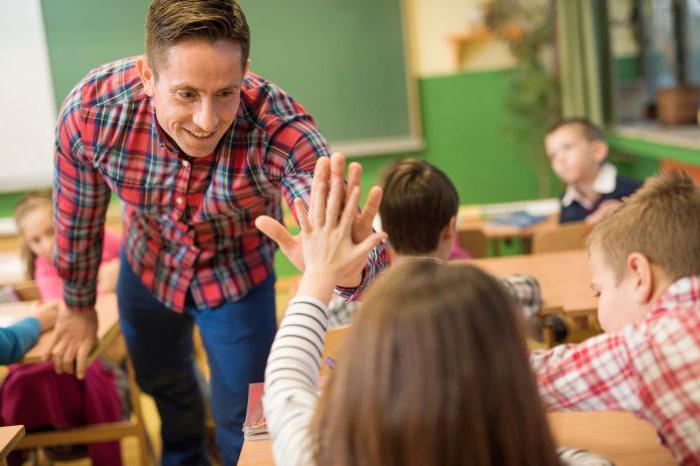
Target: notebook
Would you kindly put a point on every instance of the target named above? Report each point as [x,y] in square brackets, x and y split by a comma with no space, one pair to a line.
[255,426]
[520,219]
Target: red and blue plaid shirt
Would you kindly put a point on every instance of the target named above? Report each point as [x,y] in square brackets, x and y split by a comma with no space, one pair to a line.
[188,221]
[651,369]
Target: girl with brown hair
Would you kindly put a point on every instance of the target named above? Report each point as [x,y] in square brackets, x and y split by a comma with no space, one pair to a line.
[422,380]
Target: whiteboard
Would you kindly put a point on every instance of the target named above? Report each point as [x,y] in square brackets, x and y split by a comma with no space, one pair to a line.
[27,108]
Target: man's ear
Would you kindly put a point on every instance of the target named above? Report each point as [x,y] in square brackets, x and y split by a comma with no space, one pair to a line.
[246,68]
[600,150]
[639,268]
[147,76]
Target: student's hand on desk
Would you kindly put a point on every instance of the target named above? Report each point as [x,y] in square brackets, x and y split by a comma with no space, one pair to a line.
[46,314]
[328,249]
[604,209]
[72,340]
[291,246]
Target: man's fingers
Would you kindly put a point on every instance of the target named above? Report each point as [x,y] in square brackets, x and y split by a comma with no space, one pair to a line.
[321,176]
[275,231]
[354,177]
[350,208]
[364,221]
[81,359]
[68,359]
[302,216]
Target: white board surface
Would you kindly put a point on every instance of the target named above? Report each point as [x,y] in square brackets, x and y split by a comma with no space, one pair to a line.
[27,109]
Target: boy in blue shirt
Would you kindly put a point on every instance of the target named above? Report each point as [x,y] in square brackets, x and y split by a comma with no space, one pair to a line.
[577,151]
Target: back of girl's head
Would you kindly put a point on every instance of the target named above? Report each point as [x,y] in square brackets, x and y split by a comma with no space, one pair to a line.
[25,205]
[433,372]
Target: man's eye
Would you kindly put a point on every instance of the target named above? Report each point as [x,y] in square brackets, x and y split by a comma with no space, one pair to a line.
[185,95]
[226,94]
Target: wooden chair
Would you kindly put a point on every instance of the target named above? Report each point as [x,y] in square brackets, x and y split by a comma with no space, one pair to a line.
[474,242]
[561,238]
[26,290]
[334,341]
[105,432]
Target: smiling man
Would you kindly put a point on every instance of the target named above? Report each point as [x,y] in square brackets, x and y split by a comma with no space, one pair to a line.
[196,147]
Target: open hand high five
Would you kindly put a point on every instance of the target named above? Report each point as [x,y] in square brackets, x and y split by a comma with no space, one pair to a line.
[327,249]
[361,224]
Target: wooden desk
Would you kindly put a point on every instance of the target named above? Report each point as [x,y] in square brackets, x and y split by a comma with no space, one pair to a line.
[621,437]
[564,277]
[9,438]
[108,329]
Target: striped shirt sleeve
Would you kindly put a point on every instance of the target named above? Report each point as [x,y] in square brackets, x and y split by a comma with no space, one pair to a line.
[291,378]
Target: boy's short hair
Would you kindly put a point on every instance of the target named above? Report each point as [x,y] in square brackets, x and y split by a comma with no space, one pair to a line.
[419,201]
[661,221]
[590,131]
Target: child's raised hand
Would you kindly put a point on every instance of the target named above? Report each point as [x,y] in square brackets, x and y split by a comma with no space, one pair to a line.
[326,231]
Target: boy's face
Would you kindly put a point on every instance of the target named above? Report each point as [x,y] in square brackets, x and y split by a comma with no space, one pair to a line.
[573,157]
[618,303]
[196,94]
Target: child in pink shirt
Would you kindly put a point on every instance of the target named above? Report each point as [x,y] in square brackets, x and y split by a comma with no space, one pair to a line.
[35,395]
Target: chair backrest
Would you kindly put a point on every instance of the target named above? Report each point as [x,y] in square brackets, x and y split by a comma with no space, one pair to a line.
[474,241]
[561,238]
[334,341]
[26,290]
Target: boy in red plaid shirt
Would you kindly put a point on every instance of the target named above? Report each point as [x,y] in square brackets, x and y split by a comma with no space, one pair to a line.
[645,261]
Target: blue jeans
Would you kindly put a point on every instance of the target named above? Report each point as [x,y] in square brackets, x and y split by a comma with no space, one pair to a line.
[237,338]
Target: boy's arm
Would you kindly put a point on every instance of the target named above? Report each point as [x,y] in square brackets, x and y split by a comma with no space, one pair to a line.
[526,291]
[595,375]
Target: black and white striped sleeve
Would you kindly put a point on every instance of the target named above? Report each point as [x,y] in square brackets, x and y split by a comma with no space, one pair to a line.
[291,378]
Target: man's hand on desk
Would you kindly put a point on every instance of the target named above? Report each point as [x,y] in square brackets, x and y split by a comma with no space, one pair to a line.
[72,340]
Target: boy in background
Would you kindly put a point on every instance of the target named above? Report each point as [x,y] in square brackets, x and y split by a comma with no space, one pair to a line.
[577,151]
[418,213]
[645,261]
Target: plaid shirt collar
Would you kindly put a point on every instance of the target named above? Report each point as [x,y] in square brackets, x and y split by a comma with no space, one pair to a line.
[682,294]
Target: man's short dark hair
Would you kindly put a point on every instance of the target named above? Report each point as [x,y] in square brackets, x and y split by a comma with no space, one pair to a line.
[419,201]
[590,131]
[169,22]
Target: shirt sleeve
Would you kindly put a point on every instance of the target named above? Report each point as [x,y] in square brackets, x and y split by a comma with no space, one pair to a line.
[526,291]
[300,145]
[81,198]
[18,339]
[291,379]
[595,375]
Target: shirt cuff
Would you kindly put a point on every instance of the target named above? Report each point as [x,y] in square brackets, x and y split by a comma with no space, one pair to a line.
[79,297]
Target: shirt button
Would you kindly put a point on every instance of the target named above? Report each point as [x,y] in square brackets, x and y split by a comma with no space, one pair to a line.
[185,163]
[178,200]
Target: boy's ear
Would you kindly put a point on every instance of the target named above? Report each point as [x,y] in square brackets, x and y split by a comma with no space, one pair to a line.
[450,230]
[600,150]
[147,75]
[639,268]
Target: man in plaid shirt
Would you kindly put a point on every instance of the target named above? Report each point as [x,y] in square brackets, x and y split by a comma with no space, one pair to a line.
[196,147]
[645,260]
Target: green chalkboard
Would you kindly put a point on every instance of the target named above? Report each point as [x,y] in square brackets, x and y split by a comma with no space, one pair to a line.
[344,61]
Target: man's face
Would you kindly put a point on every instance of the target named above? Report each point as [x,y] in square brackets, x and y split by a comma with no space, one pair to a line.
[573,157]
[196,94]
[617,305]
